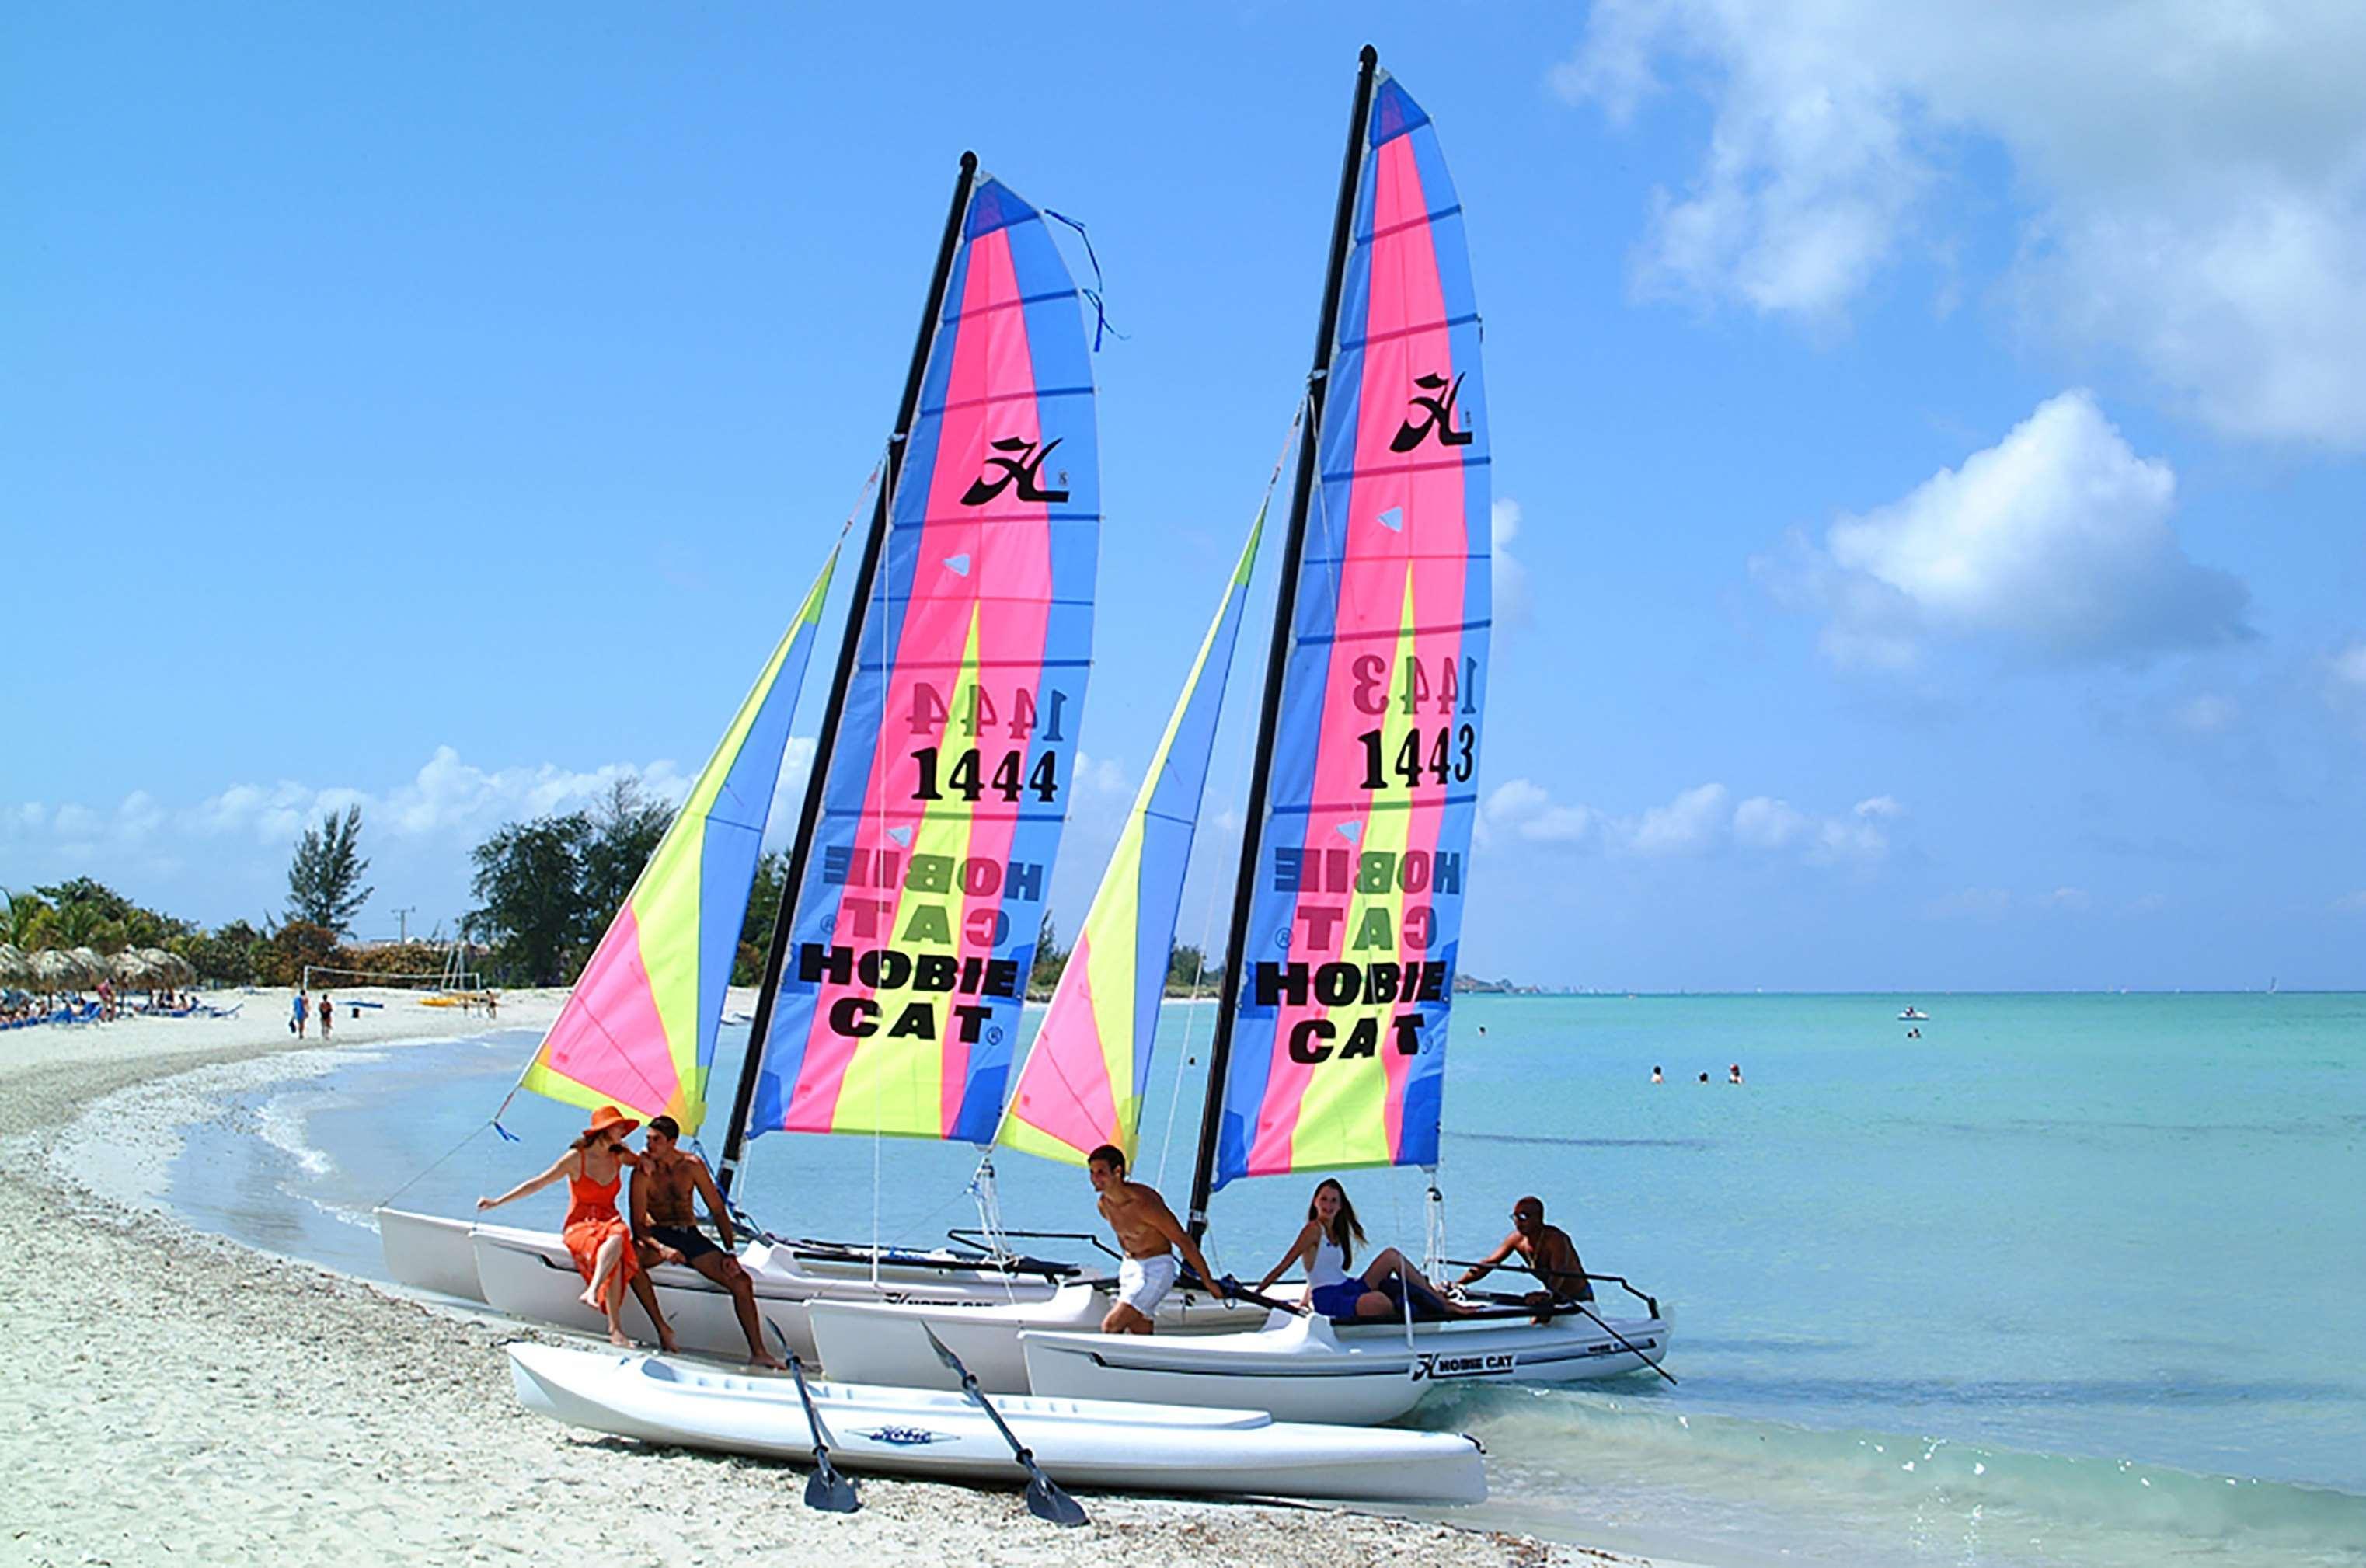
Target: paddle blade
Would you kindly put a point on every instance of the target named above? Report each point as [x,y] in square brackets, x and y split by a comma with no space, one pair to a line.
[944,1353]
[1048,1503]
[830,1493]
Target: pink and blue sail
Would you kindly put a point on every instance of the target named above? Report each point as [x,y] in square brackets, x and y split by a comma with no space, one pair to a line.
[1338,1046]
[639,1028]
[915,923]
[1089,1068]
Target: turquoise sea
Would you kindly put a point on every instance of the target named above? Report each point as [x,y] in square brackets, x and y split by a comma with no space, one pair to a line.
[2070,1279]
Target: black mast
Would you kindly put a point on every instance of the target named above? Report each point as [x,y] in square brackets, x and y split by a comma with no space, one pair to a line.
[849,647]
[1277,655]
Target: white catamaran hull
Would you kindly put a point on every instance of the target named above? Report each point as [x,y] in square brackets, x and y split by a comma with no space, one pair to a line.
[428,1252]
[881,1342]
[924,1433]
[529,1274]
[1303,1369]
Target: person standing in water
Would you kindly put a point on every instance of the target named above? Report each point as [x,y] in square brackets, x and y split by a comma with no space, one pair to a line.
[1656,1077]
[597,1237]
[1147,1232]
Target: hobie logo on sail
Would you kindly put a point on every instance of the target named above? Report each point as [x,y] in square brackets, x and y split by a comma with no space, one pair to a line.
[1025,462]
[1436,414]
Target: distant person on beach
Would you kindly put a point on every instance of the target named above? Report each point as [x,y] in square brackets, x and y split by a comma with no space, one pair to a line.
[597,1238]
[1148,1234]
[1657,1076]
[668,1185]
[297,1023]
[1327,1246]
[492,1004]
[327,1014]
[1548,1253]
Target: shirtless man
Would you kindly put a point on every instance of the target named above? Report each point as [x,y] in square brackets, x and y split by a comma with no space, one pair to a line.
[1548,1253]
[666,1187]
[1148,1232]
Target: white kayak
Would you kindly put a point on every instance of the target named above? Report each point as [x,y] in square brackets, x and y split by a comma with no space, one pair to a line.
[883,1342]
[1308,1369]
[920,1432]
[529,1274]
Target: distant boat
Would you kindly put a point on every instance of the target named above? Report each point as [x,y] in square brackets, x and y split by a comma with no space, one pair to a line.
[1913,1015]
[2271,984]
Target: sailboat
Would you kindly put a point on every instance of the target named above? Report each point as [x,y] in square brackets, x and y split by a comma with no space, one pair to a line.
[1329,1051]
[925,837]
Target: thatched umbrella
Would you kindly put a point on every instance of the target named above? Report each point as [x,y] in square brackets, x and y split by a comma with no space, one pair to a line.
[15,967]
[94,967]
[169,967]
[130,967]
[54,970]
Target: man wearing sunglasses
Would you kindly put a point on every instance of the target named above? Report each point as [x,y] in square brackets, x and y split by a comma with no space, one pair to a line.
[1545,1251]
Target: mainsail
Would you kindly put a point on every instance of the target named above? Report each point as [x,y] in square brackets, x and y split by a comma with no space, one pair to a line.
[1340,970]
[1086,1075]
[921,888]
[638,1030]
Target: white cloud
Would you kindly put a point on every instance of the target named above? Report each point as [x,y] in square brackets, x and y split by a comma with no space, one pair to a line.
[1696,822]
[2146,904]
[1687,825]
[2351,903]
[2208,714]
[2187,178]
[1764,824]
[1972,904]
[1523,810]
[1508,576]
[2071,900]
[2055,540]
[2344,683]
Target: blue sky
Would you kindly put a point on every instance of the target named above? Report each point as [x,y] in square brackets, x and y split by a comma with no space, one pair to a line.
[1928,446]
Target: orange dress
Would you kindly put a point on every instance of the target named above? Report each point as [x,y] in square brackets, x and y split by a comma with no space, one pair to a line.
[591,1219]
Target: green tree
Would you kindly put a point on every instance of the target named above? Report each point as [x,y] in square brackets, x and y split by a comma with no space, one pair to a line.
[625,829]
[1189,970]
[17,922]
[105,902]
[1050,957]
[763,911]
[528,882]
[324,877]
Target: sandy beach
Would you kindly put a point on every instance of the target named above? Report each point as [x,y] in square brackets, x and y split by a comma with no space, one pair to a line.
[181,1398]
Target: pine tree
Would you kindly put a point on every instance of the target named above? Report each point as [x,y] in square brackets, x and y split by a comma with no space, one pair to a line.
[324,878]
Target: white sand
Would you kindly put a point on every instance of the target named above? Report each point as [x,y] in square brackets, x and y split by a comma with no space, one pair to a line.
[177,1398]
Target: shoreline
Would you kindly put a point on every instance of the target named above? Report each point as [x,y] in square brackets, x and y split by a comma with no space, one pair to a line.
[200,1397]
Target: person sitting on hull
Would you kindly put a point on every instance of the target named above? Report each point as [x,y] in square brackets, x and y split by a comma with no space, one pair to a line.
[1548,1254]
[597,1236]
[1327,1246]
[1148,1233]
[666,1187]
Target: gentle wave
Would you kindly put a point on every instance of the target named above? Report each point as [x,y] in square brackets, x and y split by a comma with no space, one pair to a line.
[1991,1505]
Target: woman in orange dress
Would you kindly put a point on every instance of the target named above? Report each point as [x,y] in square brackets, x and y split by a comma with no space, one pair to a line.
[597,1237]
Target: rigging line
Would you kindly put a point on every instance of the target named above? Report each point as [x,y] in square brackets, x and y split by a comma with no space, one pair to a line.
[1215,884]
[468,1137]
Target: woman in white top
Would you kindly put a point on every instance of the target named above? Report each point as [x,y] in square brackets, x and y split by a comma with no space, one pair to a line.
[1327,1246]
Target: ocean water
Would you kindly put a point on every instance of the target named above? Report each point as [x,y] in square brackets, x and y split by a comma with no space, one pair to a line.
[2071,1279]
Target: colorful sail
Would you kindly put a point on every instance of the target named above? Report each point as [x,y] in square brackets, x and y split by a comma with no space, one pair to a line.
[1084,1080]
[916,920]
[638,1030]
[1339,1036]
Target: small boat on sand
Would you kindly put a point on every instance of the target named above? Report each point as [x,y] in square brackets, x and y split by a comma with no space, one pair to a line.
[925,1433]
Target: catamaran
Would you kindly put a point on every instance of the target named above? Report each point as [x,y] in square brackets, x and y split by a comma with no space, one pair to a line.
[925,842]
[1338,974]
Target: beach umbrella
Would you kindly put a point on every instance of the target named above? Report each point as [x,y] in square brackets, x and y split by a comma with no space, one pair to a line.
[94,967]
[53,969]
[169,967]
[130,968]
[15,967]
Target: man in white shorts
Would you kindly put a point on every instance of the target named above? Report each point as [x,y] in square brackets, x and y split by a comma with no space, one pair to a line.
[1148,1232]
